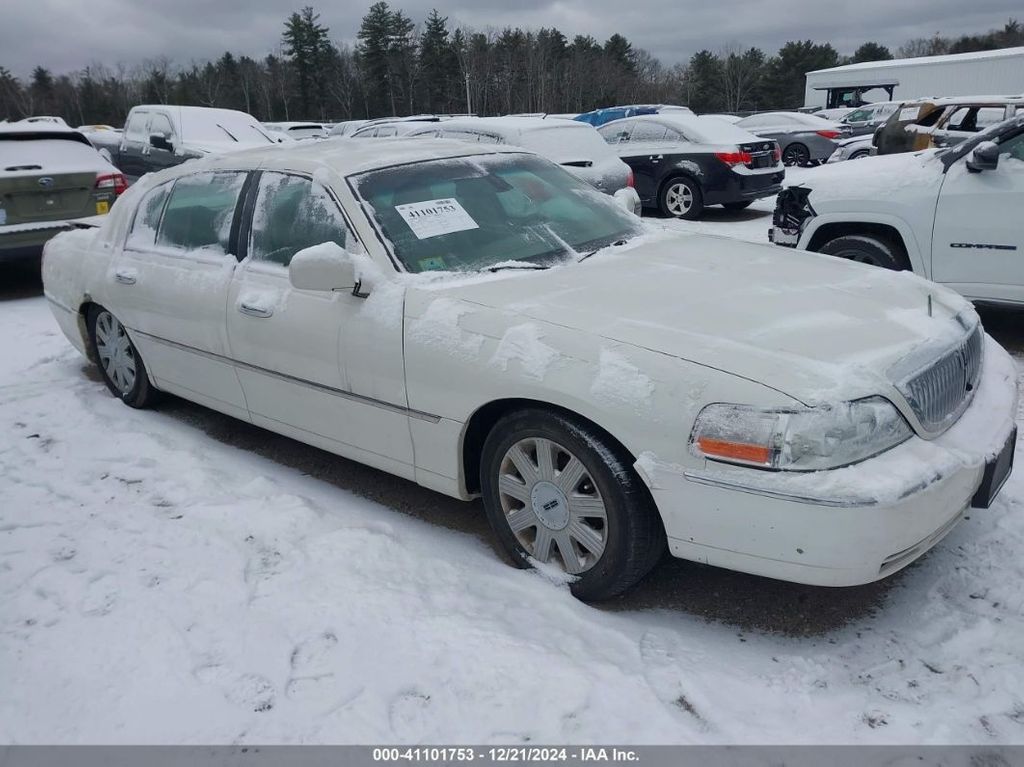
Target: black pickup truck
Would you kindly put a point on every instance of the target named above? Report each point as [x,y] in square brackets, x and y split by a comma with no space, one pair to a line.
[158,136]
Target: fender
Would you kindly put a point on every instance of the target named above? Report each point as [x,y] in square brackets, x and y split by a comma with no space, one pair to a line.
[915,253]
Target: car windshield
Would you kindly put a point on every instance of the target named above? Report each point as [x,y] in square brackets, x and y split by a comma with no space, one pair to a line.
[475,213]
[221,125]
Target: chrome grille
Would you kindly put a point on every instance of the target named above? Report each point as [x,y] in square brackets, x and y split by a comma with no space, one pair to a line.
[939,393]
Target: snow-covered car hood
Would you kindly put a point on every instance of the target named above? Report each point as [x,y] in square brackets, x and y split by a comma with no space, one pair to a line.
[814,327]
[875,178]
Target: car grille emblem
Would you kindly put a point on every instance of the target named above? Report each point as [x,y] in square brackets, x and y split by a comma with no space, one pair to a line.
[46,182]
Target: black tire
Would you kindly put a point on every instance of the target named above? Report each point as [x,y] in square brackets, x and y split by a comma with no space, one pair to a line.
[678,185]
[140,394]
[860,154]
[866,249]
[737,205]
[796,154]
[634,536]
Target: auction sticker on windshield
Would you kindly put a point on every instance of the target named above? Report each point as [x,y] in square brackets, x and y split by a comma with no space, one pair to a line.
[431,218]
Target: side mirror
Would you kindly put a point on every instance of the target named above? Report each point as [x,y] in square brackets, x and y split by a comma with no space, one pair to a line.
[160,141]
[326,267]
[629,200]
[984,157]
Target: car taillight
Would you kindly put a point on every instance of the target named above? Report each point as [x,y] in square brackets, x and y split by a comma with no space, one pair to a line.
[630,180]
[734,158]
[777,153]
[115,181]
[828,133]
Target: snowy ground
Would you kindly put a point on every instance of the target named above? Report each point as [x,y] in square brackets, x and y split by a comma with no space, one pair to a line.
[174,576]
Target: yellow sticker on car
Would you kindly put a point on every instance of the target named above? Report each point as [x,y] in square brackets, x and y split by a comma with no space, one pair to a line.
[102,207]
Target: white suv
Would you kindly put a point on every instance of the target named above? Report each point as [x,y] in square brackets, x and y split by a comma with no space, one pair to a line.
[952,216]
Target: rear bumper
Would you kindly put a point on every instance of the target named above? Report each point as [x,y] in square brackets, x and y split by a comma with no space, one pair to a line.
[740,188]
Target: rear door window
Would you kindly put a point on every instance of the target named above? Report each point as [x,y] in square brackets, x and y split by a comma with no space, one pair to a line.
[648,131]
[142,235]
[200,211]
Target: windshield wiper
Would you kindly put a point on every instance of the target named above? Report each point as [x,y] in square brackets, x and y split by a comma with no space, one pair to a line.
[228,132]
[585,256]
[523,265]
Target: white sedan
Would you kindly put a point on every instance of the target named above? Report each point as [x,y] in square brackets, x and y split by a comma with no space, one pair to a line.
[479,321]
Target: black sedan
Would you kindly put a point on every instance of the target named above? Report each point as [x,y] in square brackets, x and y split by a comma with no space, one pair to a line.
[683,163]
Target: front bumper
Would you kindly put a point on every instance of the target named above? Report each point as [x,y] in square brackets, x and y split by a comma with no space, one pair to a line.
[842,527]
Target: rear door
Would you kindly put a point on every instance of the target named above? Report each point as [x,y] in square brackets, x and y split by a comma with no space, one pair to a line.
[637,142]
[978,240]
[169,285]
[314,364]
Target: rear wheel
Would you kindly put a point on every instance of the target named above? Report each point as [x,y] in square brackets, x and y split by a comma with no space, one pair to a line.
[120,364]
[737,205]
[560,493]
[681,198]
[796,154]
[860,154]
[866,249]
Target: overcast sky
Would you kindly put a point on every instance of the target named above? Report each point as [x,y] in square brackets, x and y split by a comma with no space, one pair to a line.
[66,35]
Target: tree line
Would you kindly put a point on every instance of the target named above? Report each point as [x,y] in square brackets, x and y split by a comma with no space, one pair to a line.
[399,67]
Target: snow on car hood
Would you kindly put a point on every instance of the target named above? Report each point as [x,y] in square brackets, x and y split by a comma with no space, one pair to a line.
[814,327]
[880,176]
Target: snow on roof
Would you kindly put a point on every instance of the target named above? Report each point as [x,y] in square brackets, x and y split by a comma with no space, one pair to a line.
[945,59]
[347,155]
[512,126]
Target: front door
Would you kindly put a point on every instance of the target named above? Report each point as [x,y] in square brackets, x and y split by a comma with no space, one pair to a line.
[978,240]
[169,285]
[315,365]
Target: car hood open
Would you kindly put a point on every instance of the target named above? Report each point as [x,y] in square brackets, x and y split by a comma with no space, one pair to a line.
[814,327]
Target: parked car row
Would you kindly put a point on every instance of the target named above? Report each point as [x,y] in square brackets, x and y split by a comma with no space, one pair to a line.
[608,388]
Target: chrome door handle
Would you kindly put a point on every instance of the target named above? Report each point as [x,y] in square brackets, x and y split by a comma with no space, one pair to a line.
[124,277]
[255,311]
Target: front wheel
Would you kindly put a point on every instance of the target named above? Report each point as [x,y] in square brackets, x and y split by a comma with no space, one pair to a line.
[121,366]
[681,198]
[865,249]
[561,493]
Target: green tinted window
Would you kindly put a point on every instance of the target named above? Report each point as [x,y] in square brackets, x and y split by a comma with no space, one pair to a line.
[292,213]
[199,212]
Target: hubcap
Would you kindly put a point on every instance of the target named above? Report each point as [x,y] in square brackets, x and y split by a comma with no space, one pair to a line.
[679,199]
[552,505]
[115,352]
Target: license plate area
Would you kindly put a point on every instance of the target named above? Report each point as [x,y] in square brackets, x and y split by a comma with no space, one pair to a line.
[997,471]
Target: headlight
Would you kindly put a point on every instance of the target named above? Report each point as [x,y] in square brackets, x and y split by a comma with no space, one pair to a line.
[798,439]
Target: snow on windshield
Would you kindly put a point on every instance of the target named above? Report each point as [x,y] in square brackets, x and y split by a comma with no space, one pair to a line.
[221,125]
[50,155]
[477,213]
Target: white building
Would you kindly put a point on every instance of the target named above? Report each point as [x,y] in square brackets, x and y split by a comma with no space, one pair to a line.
[958,74]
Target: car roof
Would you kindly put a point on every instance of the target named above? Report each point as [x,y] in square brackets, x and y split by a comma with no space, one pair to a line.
[41,130]
[345,155]
[507,127]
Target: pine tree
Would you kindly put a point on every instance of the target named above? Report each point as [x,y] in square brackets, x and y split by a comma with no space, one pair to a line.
[307,46]
[438,66]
